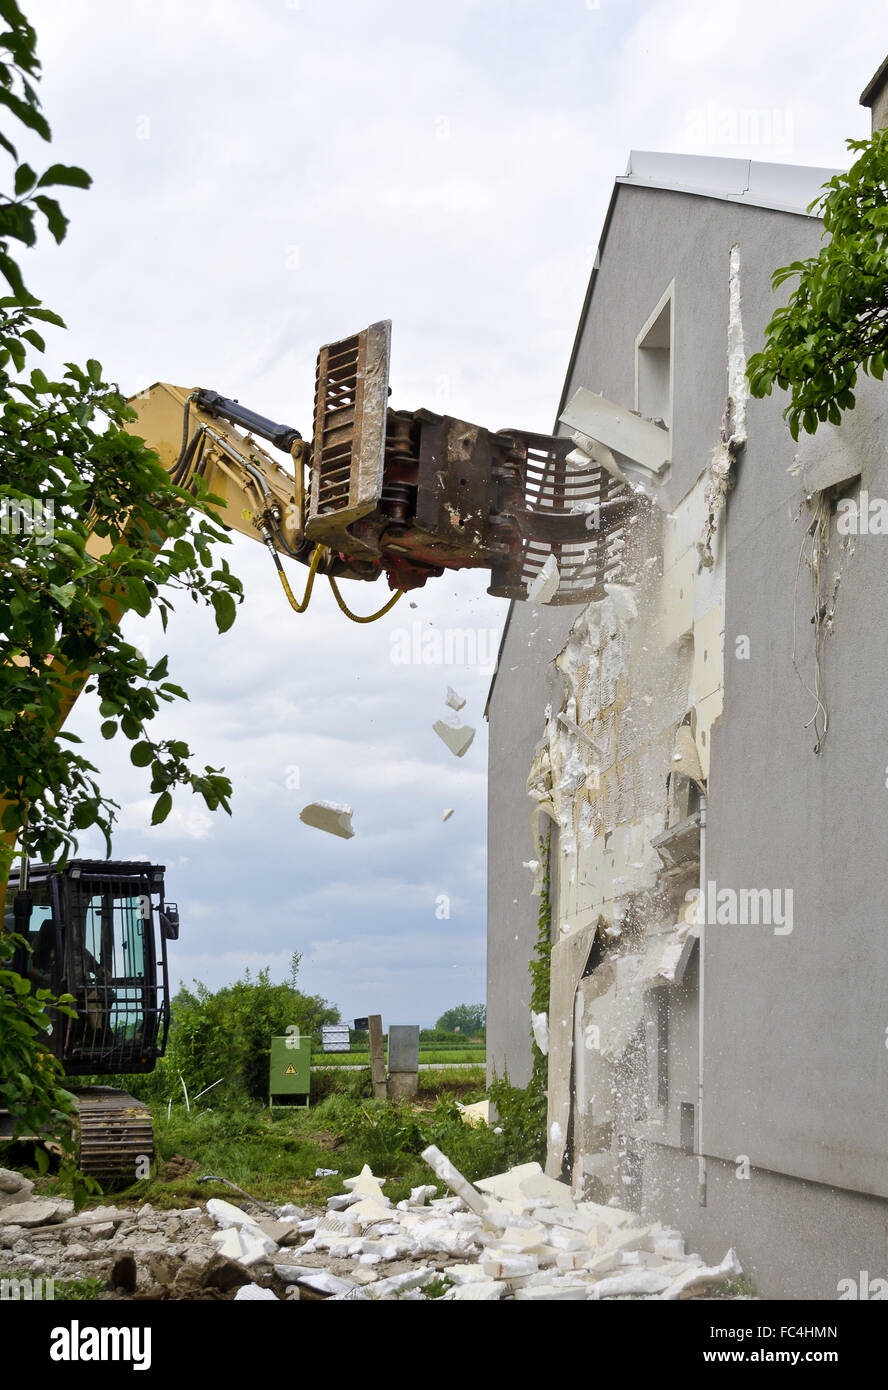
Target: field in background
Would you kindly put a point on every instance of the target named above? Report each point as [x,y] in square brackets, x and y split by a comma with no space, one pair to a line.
[427,1056]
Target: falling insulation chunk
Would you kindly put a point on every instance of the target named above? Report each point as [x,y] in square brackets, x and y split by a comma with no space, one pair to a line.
[544,586]
[458,737]
[330,816]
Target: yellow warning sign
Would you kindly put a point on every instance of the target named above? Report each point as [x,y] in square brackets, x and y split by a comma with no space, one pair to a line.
[291,1070]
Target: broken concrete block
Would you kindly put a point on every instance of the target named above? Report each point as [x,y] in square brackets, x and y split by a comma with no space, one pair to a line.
[281,1232]
[506,1264]
[290,1213]
[254,1293]
[476,1114]
[14,1187]
[454,700]
[542,1293]
[544,586]
[631,1283]
[507,1186]
[458,737]
[40,1211]
[399,1283]
[539,1185]
[245,1244]
[445,1170]
[525,1237]
[700,1277]
[420,1195]
[481,1291]
[225,1214]
[466,1274]
[368,1210]
[322,1281]
[341,1200]
[331,816]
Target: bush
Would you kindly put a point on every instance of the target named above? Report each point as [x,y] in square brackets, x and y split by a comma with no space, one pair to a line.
[228,1034]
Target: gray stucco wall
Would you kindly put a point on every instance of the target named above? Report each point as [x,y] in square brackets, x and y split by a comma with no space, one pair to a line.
[796,1066]
[525,683]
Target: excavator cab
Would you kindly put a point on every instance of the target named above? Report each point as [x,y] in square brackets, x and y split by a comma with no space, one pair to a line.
[98,930]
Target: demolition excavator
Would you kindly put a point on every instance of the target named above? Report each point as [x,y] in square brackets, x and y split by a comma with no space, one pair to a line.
[375,491]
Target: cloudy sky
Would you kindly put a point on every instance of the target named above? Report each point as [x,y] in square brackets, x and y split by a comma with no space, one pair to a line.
[273,174]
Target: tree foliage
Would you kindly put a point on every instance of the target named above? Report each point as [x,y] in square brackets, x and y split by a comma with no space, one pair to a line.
[228,1033]
[70,474]
[835,322]
[31,1081]
[468,1019]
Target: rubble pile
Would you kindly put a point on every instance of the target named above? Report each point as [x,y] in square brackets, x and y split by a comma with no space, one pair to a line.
[519,1235]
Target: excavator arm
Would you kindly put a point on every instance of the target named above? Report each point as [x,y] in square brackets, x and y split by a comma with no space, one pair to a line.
[405,494]
[408,494]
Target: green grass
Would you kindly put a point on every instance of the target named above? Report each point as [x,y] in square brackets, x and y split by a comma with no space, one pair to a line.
[79,1290]
[274,1156]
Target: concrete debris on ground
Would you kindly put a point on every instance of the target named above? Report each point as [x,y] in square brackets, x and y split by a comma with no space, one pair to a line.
[519,1235]
[331,816]
[458,737]
[476,1114]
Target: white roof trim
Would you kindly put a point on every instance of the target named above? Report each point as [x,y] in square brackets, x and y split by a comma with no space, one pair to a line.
[784,187]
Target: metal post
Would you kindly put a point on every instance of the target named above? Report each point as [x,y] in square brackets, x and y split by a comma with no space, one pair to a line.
[377,1059]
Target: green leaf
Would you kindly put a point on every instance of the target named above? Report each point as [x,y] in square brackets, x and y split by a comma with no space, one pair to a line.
[12,274]
[67,174]
[56,220]
[139,597]
[95,370]
[108,728]
[225,609]
[162,807]
[25,178]
[141,754]
[85,815]
[27,113]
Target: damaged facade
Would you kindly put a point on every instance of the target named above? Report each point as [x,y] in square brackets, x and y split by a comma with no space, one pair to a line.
[716,1022]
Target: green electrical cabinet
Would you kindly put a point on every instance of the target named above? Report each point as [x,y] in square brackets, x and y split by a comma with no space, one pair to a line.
[289,1081]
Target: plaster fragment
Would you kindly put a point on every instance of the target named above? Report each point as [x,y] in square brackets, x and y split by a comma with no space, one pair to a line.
[458,737]
[540,1025]
[331,816]
[454,700]
[544,587]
